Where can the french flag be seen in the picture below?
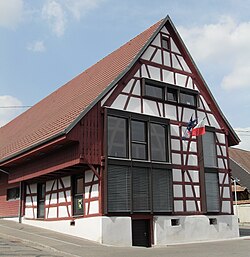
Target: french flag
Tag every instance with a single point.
(199, 129)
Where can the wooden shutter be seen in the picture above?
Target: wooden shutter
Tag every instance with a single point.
(119, 188)
(212, 191)
(162, 190)
(141, 192)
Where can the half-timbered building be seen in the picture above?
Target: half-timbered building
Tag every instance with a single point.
(104, 158)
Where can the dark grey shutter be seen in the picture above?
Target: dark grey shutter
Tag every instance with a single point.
(209, 149)
(212, 192)
(119, 181)
(141, 192)
(162, 190)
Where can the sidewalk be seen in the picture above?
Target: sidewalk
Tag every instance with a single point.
(76, 247)
(73, 246)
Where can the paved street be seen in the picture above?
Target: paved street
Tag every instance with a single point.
(22, 240)
(16, 247)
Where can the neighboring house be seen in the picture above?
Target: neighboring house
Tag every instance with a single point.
(103, 156)
(240, 166)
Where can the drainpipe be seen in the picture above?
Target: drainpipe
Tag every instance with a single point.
(20, 203)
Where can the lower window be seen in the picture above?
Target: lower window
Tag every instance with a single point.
(78, 187)
(13, 193)
(139, 189)
(212, 191)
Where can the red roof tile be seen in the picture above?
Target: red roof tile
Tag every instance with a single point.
(55, 113)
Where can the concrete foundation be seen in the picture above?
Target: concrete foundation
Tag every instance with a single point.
(166, 229)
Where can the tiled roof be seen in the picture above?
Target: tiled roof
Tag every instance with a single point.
(240, 165)
(58, 111)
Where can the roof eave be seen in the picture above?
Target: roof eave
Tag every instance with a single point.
(18, 155)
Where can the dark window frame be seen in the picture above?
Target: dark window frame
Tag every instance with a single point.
(154, 84)
(167, 45)
(143, 118)
(77, 196)
(135, 195)
(211, 170)
(41, 199)
(139, 142)
(176, 90)
(208, 189)
(13, 194)
(126, 154)
(210, 129)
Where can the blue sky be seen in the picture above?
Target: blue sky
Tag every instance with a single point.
(45, 43)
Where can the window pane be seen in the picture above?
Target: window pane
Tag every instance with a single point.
(172, 95)
(138, 131)
(139, 151)
(187, 99)
(78, 205)
(158, 142)
(165, 43)
(209, 149)
(162, 190)
(212, 192)
(153, 91)
(141, 192)
(41, 191)
(79, 186)
(13, 193)
(119, 188)
(117, 137)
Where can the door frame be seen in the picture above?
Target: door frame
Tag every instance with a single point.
(149, 219)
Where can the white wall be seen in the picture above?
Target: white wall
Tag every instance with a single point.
(194, 228)
(118, 230)
(243, 212)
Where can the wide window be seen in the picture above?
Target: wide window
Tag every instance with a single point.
(139, 140)
(212, 191)
(209, 149)
(78, 191)
(137, 137)
(117, 137)
(139, 189)
(169, 93)
(13, 193)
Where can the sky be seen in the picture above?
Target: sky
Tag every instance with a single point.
(46, 43)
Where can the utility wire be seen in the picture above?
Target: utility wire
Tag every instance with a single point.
(15, 106)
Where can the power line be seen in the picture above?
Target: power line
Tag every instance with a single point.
(15, 106)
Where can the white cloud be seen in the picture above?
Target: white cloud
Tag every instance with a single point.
(238, 78)
(225, 44)
(7, 113)
(53, 12)
(79, 8)
(58, 13)
(244, 135)
(37, 46)
(11, 12)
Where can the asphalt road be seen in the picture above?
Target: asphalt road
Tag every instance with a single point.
(22, 240)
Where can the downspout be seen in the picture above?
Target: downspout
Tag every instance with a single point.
(20, 203)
